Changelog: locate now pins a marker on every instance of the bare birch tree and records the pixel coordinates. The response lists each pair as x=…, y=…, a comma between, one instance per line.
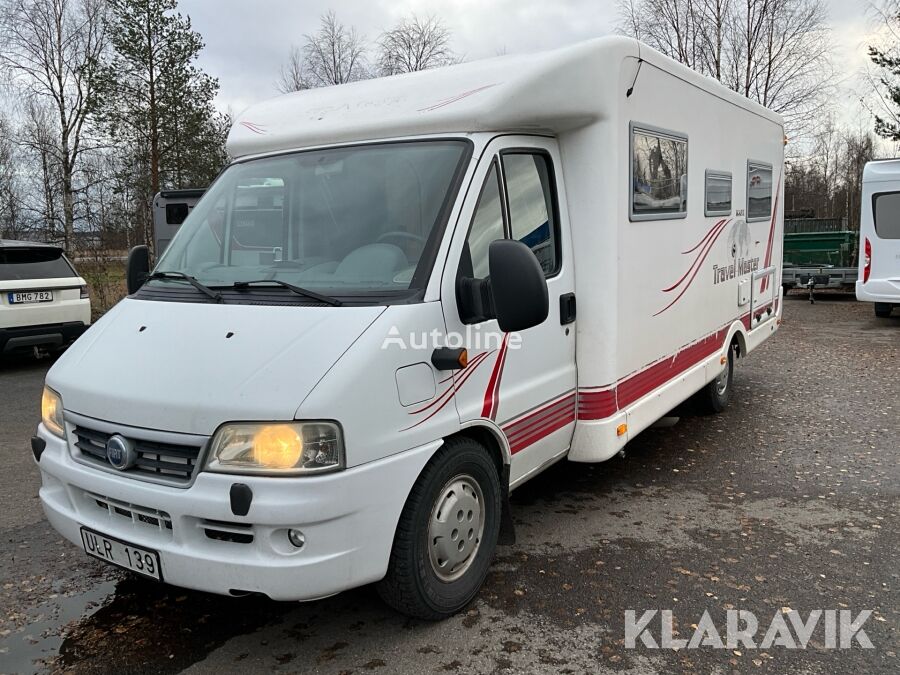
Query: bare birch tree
x=52, y=50
x=12, y=225
x=415, y=44
x=775, y=52
x=38, y=140
x=335, y=54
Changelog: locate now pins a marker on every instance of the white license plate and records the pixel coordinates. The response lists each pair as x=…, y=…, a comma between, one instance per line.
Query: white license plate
x=24, y=297
x=131, y=557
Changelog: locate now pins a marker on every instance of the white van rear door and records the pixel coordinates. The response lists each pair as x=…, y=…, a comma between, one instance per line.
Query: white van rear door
x=884, y=240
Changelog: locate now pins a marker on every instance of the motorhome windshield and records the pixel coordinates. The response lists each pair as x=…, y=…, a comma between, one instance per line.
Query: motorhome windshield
x=361, y=220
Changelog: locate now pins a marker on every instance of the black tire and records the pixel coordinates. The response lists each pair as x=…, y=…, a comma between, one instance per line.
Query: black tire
x=883, y=309
x=787, y=288
x=714, y=397
x=412, y=586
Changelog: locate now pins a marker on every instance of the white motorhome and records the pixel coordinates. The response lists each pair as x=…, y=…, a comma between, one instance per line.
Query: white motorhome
x=879, y=237
x=366, y=332
x=170, y=210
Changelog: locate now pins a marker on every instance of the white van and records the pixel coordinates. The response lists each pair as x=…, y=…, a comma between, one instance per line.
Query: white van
x=366, y=332
x=879, y=237
x=43, y=302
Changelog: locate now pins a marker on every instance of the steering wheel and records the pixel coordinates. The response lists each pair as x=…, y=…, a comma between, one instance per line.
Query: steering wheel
x=400, y=234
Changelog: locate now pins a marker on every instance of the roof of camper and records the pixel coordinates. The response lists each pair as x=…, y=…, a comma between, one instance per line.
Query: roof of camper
x=882, y=170
x=551, y=91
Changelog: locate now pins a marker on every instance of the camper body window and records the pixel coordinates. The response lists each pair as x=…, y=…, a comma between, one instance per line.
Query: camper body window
x=718, y=193
x=659, y=170
x=759, y=191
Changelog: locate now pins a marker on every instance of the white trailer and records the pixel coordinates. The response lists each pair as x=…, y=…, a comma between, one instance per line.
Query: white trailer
x=366, y=332
x=879, y=237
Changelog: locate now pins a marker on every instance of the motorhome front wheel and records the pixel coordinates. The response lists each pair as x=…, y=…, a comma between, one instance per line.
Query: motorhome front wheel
x=446, y=535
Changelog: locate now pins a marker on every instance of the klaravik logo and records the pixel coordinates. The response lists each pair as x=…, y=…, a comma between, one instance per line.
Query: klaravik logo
x=833, y=629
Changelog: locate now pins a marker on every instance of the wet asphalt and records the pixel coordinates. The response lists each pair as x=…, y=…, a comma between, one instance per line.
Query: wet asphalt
x=787, y=501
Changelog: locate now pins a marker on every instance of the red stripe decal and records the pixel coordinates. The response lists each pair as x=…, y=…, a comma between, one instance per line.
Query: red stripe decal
x=472, y=364
x=541, y=422
x=454, y=99
x=596, y=403
x=255, y=128
x=449, y=393
x=455, y=386
x=492, y=393
x=709, y=242
x=709, y=246
x=543, y=432
x=706, y=236
x=645, y=381
x=527, y=424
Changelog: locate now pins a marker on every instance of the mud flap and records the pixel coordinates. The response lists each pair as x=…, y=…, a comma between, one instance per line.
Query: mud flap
x=507, y=536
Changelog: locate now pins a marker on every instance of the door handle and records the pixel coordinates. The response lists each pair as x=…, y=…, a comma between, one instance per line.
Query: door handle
x=566, y=308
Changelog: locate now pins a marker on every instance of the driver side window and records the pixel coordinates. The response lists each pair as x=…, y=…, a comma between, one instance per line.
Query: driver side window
x=487, y=226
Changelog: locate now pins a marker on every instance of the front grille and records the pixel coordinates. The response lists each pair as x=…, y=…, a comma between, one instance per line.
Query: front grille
x=139, y=515
x=161, y=461
x=237, y=533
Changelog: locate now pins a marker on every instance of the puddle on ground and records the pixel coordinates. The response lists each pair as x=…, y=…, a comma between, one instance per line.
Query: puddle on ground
x=28, y=650
x=131, y=625
x=150, y=627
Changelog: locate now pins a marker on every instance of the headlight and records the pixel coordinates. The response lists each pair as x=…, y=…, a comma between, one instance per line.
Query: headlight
x=52, y=412
x=290, y=448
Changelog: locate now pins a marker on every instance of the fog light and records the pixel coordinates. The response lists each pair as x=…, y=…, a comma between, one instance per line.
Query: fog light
x=296, y=538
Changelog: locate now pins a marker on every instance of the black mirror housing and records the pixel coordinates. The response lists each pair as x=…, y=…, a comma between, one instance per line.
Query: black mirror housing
x=476, y=304
x=518, y=286
x=138, y=268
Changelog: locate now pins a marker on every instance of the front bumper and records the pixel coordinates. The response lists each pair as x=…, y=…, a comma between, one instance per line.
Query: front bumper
x=348, y=520
x=47, y=335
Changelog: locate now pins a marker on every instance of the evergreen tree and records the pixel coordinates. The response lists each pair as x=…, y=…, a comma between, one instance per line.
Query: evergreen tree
x=888, y=61
x=158, y=106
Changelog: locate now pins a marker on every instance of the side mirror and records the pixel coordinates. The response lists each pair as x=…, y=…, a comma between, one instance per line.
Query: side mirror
x=518, y=286
x=138, y=268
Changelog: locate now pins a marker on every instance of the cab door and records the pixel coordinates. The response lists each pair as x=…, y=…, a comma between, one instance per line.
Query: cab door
x=523, y=382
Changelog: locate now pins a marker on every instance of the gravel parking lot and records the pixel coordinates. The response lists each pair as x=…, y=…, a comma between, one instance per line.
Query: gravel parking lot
x=790, y=499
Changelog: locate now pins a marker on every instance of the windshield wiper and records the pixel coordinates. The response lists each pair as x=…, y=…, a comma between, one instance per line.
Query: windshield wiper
x=334, y=302
x=206, y=290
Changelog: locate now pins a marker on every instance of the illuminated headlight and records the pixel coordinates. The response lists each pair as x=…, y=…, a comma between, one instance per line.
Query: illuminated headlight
x=290, y=448
x=52, y=412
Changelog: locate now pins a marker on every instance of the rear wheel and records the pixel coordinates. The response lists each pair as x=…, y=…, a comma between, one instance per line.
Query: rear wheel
x=446, y=535
x=714, y=397
x=883, y=309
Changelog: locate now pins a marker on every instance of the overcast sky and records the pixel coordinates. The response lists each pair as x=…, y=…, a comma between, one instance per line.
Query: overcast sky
x=246, y=42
